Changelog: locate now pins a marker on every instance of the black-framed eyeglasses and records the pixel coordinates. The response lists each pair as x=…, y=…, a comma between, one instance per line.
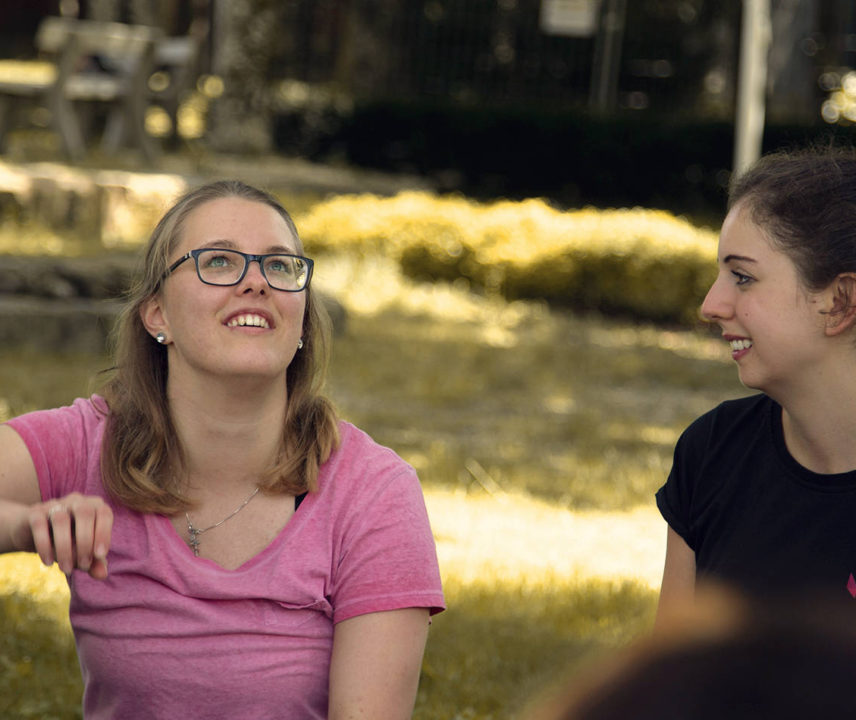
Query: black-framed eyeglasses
x=218, y=266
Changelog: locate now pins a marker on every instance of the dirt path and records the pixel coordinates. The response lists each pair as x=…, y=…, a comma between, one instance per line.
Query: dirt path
x=516, y=538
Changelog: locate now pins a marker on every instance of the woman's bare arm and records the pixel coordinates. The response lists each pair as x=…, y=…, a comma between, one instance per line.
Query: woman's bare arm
x=679, y=576
x=377, y=658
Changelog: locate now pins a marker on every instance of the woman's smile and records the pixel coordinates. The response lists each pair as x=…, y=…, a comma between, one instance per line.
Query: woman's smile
x=739, y=346
x=249, y=319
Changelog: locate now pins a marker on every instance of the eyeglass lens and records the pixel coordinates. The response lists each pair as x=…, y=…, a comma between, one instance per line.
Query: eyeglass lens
x=225, y=267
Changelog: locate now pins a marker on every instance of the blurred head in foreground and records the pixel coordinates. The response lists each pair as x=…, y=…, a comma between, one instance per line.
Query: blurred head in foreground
x=724, y=658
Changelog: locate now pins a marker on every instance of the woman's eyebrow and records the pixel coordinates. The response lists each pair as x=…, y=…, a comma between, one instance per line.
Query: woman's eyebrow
x=222, y=243
x=231, y=245
x=741, y=258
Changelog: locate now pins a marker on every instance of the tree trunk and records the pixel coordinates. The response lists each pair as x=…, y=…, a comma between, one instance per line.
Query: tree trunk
x=246, y=35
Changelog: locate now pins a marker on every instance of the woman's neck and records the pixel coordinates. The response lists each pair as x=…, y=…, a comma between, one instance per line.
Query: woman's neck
x=229, y=430
x=820, y=428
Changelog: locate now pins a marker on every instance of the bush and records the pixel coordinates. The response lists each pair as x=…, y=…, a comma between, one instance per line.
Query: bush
x=644, y=264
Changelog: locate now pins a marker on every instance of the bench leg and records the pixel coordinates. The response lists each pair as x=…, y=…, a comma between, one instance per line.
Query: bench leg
x=65, y=122
x=5, y=120
x=115, y=131
x=137, y=115
x=126, y=125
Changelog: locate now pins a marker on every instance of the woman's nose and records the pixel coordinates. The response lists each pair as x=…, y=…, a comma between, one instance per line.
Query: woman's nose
x=717, y=304
x=254, y=277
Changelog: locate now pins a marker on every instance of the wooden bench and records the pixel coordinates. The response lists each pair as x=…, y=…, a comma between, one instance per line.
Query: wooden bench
x=85, y=64
x=175, y=68
x=176, y=65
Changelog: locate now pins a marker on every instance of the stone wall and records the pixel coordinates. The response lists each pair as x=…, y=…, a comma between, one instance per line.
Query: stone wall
x=109, y=208
x=61, y=304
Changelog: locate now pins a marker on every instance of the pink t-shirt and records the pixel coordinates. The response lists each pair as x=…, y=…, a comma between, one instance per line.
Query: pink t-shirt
x=172, y=635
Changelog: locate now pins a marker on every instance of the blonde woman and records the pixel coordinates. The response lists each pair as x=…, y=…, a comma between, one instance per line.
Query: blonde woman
x=232, y=548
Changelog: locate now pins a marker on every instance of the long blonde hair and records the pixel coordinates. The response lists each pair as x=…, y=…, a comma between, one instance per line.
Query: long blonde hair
x=142, y=460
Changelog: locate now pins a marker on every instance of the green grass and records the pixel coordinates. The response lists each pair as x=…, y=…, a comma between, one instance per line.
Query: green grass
x=497, y=647
x=484, y=398
x=39, y=675
x=583, y=412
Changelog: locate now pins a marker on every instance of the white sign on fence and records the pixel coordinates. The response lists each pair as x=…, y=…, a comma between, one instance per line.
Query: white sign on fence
x=577, y=18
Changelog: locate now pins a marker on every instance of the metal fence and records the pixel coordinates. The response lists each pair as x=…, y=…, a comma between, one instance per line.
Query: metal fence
x=650, y=56
x=666, y=56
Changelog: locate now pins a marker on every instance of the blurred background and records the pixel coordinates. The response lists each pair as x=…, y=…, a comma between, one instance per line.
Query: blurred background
x=606, y=102
x=513, y=206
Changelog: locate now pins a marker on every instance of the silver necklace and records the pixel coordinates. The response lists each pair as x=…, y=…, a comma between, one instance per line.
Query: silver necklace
x=195, y=532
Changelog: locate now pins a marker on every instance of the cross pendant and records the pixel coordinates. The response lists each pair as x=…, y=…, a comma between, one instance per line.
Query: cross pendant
x=194, y=540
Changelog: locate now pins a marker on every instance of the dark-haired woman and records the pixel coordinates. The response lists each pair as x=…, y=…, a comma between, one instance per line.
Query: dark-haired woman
x=762, y=493
x=233, y=550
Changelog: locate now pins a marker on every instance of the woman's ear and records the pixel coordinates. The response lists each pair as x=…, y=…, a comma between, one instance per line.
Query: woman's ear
x=842, y=312
x=153, y=317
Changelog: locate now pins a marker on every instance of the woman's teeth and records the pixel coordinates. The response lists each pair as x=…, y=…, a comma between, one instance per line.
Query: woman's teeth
x=740, y=345
x=244, y=320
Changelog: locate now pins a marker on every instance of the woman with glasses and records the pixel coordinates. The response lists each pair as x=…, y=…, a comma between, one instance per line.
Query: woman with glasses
x=232, y=548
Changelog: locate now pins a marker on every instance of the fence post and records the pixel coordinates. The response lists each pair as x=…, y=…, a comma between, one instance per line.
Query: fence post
x=607, y=55
x=751, y=83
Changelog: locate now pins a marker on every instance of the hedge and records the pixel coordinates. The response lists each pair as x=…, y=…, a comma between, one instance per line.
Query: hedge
x=645, y=264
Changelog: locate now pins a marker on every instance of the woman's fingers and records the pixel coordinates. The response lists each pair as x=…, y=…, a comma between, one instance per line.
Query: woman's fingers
x=101, y=541
x=40, y=527
x=83, y=534
x=75, y=531
x=59, y=519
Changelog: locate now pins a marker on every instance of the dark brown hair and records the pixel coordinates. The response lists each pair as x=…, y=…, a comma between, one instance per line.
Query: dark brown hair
x=806, y=202
x=141, y=459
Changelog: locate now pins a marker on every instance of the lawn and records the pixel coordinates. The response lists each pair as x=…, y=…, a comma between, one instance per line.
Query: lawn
x=540, y=438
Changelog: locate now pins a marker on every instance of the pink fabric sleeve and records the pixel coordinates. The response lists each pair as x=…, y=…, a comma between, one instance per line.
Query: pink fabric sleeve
x=65, y=445
x=389, y=559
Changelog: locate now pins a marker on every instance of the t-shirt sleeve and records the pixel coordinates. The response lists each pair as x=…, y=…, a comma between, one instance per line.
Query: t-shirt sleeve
x=388, y=559
x=64, y=444
x=675, y=497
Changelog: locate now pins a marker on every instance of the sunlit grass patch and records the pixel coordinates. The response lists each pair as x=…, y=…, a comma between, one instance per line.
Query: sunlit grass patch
x=535, y=592
x=498, y=645
x=582, y=411
x=510, y=538
x=39, y=675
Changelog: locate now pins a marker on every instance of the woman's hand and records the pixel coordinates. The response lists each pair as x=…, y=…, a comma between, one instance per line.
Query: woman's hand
x=73, y=530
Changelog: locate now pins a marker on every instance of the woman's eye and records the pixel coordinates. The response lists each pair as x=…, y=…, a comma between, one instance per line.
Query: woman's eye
x=217, y=261
x=280, y=266
x=741, y=278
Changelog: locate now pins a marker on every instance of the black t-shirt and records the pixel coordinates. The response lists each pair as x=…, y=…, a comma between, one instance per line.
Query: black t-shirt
x=753, y=515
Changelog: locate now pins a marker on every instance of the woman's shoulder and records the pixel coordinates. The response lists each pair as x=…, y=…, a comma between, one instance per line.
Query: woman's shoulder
x=358, y=446
x=86, y=412
x=362, y=465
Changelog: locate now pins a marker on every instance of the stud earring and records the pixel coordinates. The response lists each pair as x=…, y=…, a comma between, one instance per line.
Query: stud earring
x=300, y=344
x=161, y=338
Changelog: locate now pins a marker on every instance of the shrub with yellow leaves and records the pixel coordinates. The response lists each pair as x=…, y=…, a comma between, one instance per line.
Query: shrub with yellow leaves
x=640, y=263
